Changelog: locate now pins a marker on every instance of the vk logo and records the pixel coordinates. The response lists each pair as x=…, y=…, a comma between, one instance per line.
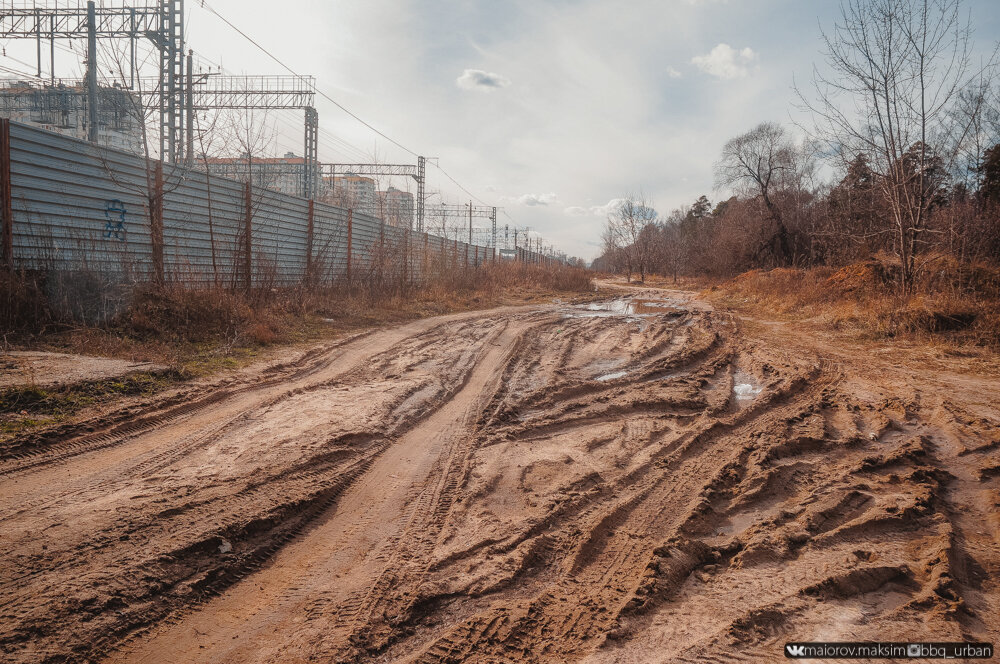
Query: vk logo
x=794, y=651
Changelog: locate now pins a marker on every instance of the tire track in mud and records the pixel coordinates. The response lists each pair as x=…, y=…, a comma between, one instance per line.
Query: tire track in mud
x=840, y=508
x=361, y=628
x=428, y=501
x=146, y=463
x=64, y=442
x=67, y=441
x=371, y=639
x=566, y=484
x=596, y=599
x=602, y=572
x=311, y=364
x=415, y=504
x=306, y=495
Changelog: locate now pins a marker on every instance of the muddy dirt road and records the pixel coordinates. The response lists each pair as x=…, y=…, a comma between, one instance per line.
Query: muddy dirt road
x=636, y=481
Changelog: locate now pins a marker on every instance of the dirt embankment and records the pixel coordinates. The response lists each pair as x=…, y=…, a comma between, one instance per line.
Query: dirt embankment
x=640, y=481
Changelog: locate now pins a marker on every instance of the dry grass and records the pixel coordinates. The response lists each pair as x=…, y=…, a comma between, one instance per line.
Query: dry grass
x=682, y=282
x=23, y=303
x=199, y=330
x=952, y=301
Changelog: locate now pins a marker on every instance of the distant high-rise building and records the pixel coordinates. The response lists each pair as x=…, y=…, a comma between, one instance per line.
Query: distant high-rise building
x=63, y=108
x=282, y=174
x=352, y=191
x=396, y=207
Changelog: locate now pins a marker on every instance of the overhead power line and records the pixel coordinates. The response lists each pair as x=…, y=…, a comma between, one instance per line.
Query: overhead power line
x=333, y=101
x=315, y=88
x=455, y=182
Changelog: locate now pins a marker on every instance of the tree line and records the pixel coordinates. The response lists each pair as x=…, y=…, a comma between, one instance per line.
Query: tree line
x=911, y=171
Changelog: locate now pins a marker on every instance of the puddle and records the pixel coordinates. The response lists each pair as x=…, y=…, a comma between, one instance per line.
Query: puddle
x=610, y=308
x=745, y=388
x=625, y=307
x=611, y=376
x=604, y=365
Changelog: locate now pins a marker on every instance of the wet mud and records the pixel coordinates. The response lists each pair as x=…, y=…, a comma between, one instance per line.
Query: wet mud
x=629, y=481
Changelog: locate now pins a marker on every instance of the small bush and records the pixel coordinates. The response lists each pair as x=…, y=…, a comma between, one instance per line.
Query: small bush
x=23, y=303
x=189, y=314
x=262, y=334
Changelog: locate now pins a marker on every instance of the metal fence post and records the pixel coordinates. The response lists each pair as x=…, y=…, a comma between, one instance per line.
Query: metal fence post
x=309, y=243
x=406, y=257
x=350, y=241
x=247, y=236
x=6, y=197
x=156, y=224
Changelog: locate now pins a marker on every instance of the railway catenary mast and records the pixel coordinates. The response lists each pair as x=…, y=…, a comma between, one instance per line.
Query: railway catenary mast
x=418, y=172
x=161, y=23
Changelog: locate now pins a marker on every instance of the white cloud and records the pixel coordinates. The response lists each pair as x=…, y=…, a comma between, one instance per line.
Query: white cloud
x=605, y=210
x=540, y=133
x=531, y=200
x=673, y=73
x=485, y=81
x=595, y=210
x=724, y=61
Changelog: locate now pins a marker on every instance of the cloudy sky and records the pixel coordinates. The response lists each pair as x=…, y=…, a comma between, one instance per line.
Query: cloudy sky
x=549, y=108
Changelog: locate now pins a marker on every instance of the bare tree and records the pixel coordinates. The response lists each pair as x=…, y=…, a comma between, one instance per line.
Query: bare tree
x=250, y=136
x=668, y=247
x=207, y=144
x=760, y=162
x=897, y=67
x=624, y=234
x=138, y=108
x=976, y=128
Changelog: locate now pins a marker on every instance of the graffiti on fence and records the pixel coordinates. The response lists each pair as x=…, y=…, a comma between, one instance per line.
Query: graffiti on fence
x=114, y=212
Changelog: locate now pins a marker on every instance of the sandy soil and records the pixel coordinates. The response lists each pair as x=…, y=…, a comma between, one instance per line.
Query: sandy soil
x=22, y=367
x=644, y=480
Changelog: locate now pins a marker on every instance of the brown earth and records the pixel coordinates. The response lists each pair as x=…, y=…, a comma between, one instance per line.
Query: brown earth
x=651, y=481
x=42, y=369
